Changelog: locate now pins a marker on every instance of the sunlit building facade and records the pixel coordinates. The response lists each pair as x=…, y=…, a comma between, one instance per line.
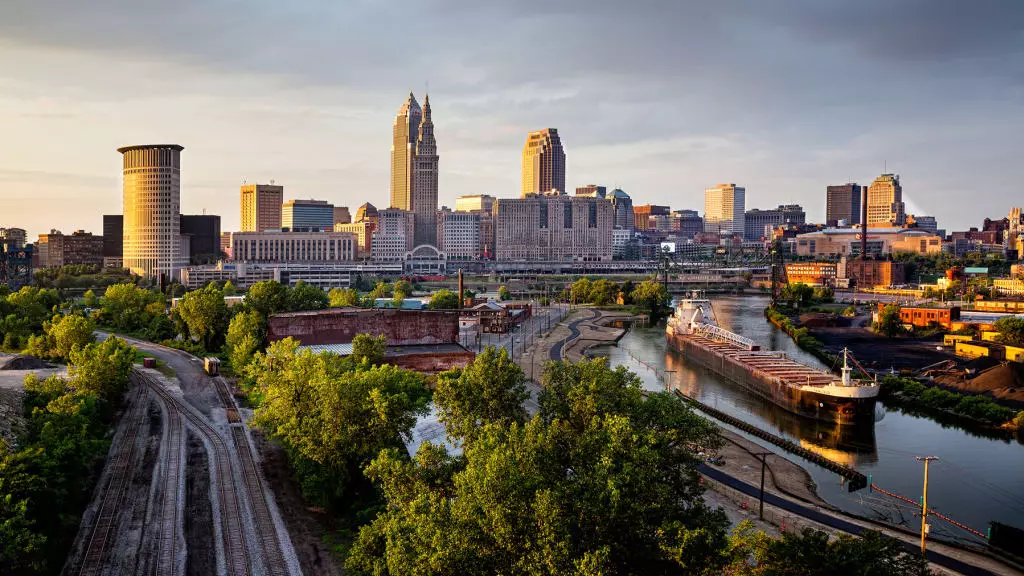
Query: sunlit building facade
x=152, y=209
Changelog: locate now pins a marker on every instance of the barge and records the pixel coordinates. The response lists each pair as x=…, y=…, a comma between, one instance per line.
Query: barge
x=693, y=331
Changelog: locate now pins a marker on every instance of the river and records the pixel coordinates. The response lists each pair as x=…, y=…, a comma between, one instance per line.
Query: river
x=977, y=479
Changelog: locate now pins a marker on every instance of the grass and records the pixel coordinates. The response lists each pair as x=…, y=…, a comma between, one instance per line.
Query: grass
x=160, y=366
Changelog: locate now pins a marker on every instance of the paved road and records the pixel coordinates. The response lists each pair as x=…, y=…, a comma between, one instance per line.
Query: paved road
x=556, y=349
x=834, y=522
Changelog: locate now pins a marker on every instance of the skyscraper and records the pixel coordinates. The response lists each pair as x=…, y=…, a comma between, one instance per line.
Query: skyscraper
x=152, y=209
x=843, y=203
x=414, y=163
x=885, y=202
x=543, y=163
x=592, y=190
x=724, y=209
x=306, y=215
x=261, y=207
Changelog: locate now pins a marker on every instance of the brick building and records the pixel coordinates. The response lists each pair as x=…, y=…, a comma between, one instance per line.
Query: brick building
x=812, y=273
x=56, y=249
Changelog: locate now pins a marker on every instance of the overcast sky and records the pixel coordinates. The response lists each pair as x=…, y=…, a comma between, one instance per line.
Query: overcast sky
x=661, y=98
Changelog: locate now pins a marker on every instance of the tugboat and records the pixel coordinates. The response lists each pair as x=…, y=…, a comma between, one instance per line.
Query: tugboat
x=693, y=331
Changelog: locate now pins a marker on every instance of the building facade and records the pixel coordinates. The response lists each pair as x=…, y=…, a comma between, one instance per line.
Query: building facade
x=261, y=207
x=292, y=247
x=812, y=273
x=622, y=209
x=342, y=215
x=80, y=248
x=543, y=163
x=871, y=273
x=414, y=171
x=885, y=202
x=758, y=224
x=303, y=215
x=842, y=203
x=364, y=235
x=458, y=234
x=724, y=210
x=152, y=209
x=553, y=228
x=204, y=234
x=475, y=202
x=836, y=242
x=13, y=237
x=642, y=215
x=592, y=191
x=394, y=235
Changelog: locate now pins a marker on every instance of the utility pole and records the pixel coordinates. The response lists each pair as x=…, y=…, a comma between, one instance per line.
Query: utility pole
x=668, y=384
x=763, y=455
x=924, y=498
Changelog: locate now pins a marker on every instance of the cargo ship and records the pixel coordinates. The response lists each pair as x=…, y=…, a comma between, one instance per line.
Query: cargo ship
x=693, y=331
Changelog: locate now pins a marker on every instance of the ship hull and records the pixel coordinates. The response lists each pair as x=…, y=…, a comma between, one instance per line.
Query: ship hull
x=800, y=401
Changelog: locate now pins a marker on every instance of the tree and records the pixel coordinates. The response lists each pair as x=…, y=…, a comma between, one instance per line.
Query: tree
x=307, y=297
x=444, y=300
x=504, y=294
x=67, y=332
x=102, y=368
x=123, y=306
x=90, y=300
x=1011, y=330
x=343, y=297
x=492, y=389
x=381, y=290
x=889, y=322
x=603, y=483
x=579, y=291
x=371, y=349
x=652, y=296
x=229, y=289
x=206, y=316
x=404, y=287
x=398, y=301
x=246, y=333
x=603, y=292
x=799, y=294
x=267, y=297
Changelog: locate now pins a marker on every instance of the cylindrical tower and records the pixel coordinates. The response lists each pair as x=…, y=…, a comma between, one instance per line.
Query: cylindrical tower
x=152, y=209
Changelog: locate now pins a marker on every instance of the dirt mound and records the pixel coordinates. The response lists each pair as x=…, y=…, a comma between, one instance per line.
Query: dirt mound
x=24, y=363
x=1004, y=382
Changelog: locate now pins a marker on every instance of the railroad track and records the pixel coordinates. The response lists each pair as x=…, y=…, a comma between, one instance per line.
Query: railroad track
x=94, y=557
x=170, y=504
x=236, y=556
x=265, y=527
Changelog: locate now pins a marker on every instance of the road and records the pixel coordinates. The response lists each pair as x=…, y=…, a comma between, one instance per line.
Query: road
x=835, y=522
x=556, y=349
x=516, y=341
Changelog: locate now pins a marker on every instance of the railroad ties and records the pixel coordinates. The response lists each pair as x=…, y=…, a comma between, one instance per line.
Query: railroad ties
x=174, y=432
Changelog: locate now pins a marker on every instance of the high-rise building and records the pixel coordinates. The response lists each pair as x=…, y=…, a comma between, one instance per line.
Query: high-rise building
x=152, y=209
x=204, y=235
x=394, y=235
x=366, y=213
x=592, y=190
x=724, y=210
x=758, y=224
x=261, y=207
x=305, y=215
x=225, y=243
x=80, y=248
x=363, y=232
x=885, y=202
x=13, y=237
x=642, y=215
x=687, y=223
x=842, y=202
x=553, y=228
x=543, y=163
x=289, y=247
x=458, y=234
x=622, y=209
x=113, y=236
x=414, y=164
x=484, y=202
x=926, y=223
x=342, y=215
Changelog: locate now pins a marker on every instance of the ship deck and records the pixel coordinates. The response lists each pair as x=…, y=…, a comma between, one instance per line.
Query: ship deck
x=789, y=371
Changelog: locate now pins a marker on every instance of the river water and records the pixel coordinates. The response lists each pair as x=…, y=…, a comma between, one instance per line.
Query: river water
x=977, y=479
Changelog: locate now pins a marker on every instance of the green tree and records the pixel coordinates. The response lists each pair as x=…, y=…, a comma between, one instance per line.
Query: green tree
x=205, y=315
x=579, y=291
x=491, y=389
x=371, y=349
x=246, y=333
x=381, y=290
x=307, y=297
x=603, y=292
x=1011, y=330
x=604, y=482
x=229, y=289
x=123, y=306
x=504, y=294
x=90, y=300
x=67, y=332
x=799, y=294
x=404, y=287
x=652, y=296
x=889, y=322
x=444, y=300
x=267, y=297
x=102, y=368
x=343, y=297
x=813, y=553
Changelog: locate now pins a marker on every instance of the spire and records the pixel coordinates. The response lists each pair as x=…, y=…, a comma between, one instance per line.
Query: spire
x=426, y=107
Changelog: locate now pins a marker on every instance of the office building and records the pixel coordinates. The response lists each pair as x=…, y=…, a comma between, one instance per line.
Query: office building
x=687, y=223
x=113, y=237
x=414, y=164
x=342, y=215
x=642, y=215
x=724, y=209
x=307, y=215
x=290, y=247
x=885, y=202
x=474, y=203
x=842, y=204
x=394, y=235
x=80, y=248
x=621, y=237
x=836, y=242
x=553, y=228
x=592, y=191
x=622, y=210
x=13, y=237
x=152, y=209
x=458, y=234
x=811, y=273
x=926, y=223
x=543, y=163
x=261, y=207
x=363, y=231
x=225, y=244
x=15, y=265
x=366, y=213
x=203, y=231
x=758, y=224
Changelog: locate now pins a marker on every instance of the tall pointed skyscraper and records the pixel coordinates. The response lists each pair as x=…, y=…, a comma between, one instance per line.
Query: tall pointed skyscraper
x=414, y=168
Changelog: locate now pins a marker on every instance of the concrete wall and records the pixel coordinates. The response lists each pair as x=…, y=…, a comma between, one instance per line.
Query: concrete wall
x=340, y=326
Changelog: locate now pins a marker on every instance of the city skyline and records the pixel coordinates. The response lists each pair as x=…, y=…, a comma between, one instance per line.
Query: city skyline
x=666, y=130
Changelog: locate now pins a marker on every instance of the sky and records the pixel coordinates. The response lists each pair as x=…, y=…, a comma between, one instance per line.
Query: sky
x=660, y=98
